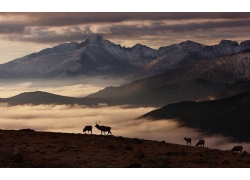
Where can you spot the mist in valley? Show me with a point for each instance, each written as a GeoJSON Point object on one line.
{"type": "Point", "coordinates": [122, 119]}
{"type": "Point", "coordinates": [79, 87]}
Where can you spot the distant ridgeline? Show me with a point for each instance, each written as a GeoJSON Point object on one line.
{"type": "Point", "coordinates": [207, 79]}
{"type": "Point", "coordinates": [227, 116]}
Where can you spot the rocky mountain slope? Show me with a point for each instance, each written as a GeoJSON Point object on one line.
{"type": "Point", "coordinates": [31, 149]}
{"type": "Point", "coordinates": [204, 80]}
{"type": "Point", "coordinates": [99, 57]}
{"type": "Point", "coordinates": [207, 79]}
{"type": "Point", "coordinates": [179, 55]}
{"type": "Point", "coordinates": [95, 56]}
{"type": "Point", "coordinates": [226, 116]}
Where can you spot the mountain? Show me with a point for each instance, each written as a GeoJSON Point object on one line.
{"type": "Point", "coordinates": [179, 55]}
{"type": "Point", "coordinates": [197, 89]}
{"type": "Point", "coordinates": [203, 80]}
{"type": "Point", "coordinates": [93, 57]}
{"type": "Point", "coordinates": [226, 116]}
{"type": "Point", "coordinates": [39, 97]}
{"type": "Point", "coordinates": [99, 57]}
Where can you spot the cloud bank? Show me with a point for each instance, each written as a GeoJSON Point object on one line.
{"type": "Point", "coordinates": [57, 28]}
{"type": "Point", "coordinates": [81, 88]}
{"type": "Point", "coordinates": [78, 90]}
{"type": "Point", "coordinates": [72, 119]}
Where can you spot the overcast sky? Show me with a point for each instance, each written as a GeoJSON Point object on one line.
{"type": "Point", "coordinates": [25, 33]}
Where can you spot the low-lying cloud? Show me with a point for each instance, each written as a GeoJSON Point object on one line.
{"type": "Point", "coordinates": [71, 90]}
{"type": "Point", "coordinates": [80, 87]}
{"type": "Point", "coordinates": [122, 119]}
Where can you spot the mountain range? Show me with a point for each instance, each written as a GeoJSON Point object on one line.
{"type": "Point", "coordinates": [179, 55]}
{"type": "Point", "coordinates": [193, 76]}
{"type": "Point", "coordinates": [99, 57]}
{"type": "Point", "coordinates": [203, 80]}
{"type": "Point", "coordinates": [93, 57]}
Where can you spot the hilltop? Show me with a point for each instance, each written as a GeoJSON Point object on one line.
{"type": "Point", "coordinates": [29, 149]}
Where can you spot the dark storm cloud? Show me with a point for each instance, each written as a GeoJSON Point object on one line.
{"type": "Point", "coordinates": [11, 28]}
{"type": "Point", "coordinates": [75, 33]}
{"type": "Point", "coordinates": [57, 28]}
{"type": "Point", "coordinates": [76, 18]}
{"type": "Point", "coordinates": [160, 26]}
{"type": "Point", "coordinates": [56, 38]}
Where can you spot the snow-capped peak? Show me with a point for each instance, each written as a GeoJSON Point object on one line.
{"type": "Point", "coordinates": [94, 39]}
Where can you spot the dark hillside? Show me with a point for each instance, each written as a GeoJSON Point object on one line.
{"type": "Point", "coordinates": [229, 116]}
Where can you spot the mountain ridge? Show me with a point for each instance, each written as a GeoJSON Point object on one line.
{"type": "Point", "coordinates": [100, 57]}
{"type": "Point", "coordinates": [95, 56]}
{"type": "Point", "coordinates": [179, 55]}
{"type": "Point", "coordinates": [226, 116]}
{"type": "Point", "coordinates": [222, 75]}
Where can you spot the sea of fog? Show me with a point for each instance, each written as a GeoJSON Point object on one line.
{"type": "Point", "coordinates": [72, 119]}
{"type": "Point", "coordinates": [122, 119]}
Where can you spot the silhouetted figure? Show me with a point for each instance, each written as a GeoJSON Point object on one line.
{"type": "Point", "coordinates": [87, 128]}
{"type": "Point", "coordinates": [237, 149]}
{"type": "Point", "coordinates": [200, 143]}
{"type": "Point", "coordinates": [103, 128]}
{"type": "Point", "coordinates": [188, 140]}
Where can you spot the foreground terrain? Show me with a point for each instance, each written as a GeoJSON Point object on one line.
{"type": "Point", "coordinates": [28, 148]}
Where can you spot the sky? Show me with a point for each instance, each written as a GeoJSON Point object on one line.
{"type": "Point", "coordinates": [27, 31]}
